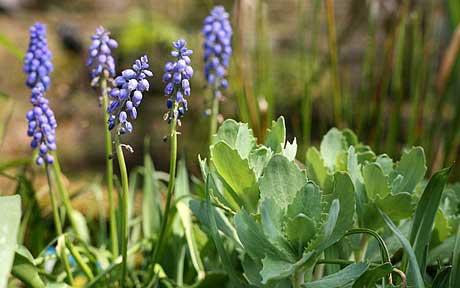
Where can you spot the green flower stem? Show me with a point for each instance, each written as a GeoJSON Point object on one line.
{"type": "Point", "coordinates": [78, 259]}
{"type": "Point", "coordinates": [109, 170]}
{"type": "Point", "coordinates": [213, 117]}
{"type": "Point", "coordinates": [124, 208]}
{"type": "Point", "coordinates": [58, 226]}
{"type": "Point", "coordinates": [298, 278]}
{"type": "Point", "coordinates": [64, 194]}
{"type": "Point", "coordinates": [383, 247]}
{"type": "Point", "coordinates": [172, 178]}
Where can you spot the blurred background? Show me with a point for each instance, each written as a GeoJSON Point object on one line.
{"type": "Point", "coordinates": [388, 69]}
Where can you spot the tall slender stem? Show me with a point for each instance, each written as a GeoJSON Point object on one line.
{"type": "Point", "coordinates": [64, 194]}
{"type": "Point", "coordinates": [109, 170]}
{"type": "Point", "coordinates": [89, 274]}
{"type": "Point", "coordinates": [332, 39]}
{"type": "Point", "coordinates": [172, 178]}
{"type": "Point", "coordinates": [124, 209]}
{"type": "Point", "coordinates": [213, 116]}
{"type": "Point", "coordinates": [298, 278]}
{"type": "Point", "coordinates": [58, 226]}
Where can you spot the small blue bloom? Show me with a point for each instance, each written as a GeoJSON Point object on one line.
{"type": "Point", "coordinates": [177, 78]}
{"type": "Point", "coordinates": [127, 95]}
{"type": "Point", "coordinates": [37, 61]}
{"type": "Point", "coordinates": [42, 126]}
{"type": "Point", "coordinates": [100, 57]}
{"type": "Point", "coordinates": [217, 32]}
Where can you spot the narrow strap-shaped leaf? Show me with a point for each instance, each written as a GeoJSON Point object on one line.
{"type": "Point", "coordinates": [236, 281]}
{"type": "Point", "coordinates": [425, 215]}
{"type": "Point", "coordinates": [182, 189]}
{"type": "Point", "coordinates": [454, 280]}
{"type": "Point", "coordinates": [414, 267]}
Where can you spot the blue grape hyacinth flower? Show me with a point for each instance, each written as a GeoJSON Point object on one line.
{"type": "Point", "coordinates": [42, 126]}
{"type": "Point", "coordinates": [127, 95]}
{"type": "Point", "coordinates": [100, 57]}
{"type": "Point", "coordinates": [177, 78]}
{"type": "Point", "coordinates": [217, 32]}
{"type": "Point", "coordinates": [37, 61]}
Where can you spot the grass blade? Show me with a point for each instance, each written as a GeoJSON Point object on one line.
{"type": "Point", "coordinates": [414, 267]}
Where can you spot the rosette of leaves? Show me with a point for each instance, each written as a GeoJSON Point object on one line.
{"type": "Point", "coordinates": [379, 182]}
{"type": "Point", "coordinates": [281, 219]}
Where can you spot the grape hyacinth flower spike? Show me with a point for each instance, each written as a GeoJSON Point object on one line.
{"type": "Point", "coordinates": [100, 57]}
{"type": "Point", "coordinates": [37, 61]}
{"type": "Point", "coordinates": [217, 32]}
{"type": "Point", "coordinates": [177, 78]}
{"type": "Point", "coordinates": [42, 127]}
{"type": "Point", "coordinates": [127, 95]}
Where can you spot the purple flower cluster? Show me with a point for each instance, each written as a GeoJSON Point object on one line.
{"type": "Point", "coordinates": [37, 61]}
{"type": "Point", "coordinates": [127, 95]}
{"type": "Point", "coordinates": [217, 46]}
{"type": "Point", "coordinates": [42, 126]}
{"type": "Point", "coordinates": [100, 57]}
{"type": "Point", "coordinates": [177, 76]}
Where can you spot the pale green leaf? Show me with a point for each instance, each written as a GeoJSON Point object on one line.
{"type": "Point", "coordinates": [412, 167]}
{"type": "Point", "coordinates": [344, 277]}
{"type": "Point", "coordinates": [316, 169]}
{"type": "Point", "coordinates": [9, 226]}
{"type": "Point", "coordinates": [276, 136]}
{"type": "Point", "coordinates": [237, 135]}
{"type": "Point", "coordinates": [281, 180]}
{"type": "Point", "coordinates": [332, 145]}
{"type": "Point", "coordinates": [375, 181]}
{"type": "Point", "coordinates": [258, 159]}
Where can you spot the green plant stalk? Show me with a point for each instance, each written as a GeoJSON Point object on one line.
{"type": "Point", "coordinates": [298, 278]}
{"type": "Point", "coordinates": [213, 116]}
{"type": "Point", "coordinates": [109, 170]}
{"type": "Point", "coordinates": [58, 226]}
{"type": "Point", "coordinates": [383, 247]}
{"type": "Point", "coordinates": [79, 260]}
{"type": "Point", "coordinates": [64, 194]}
{"type": "Point", "coordinates": [124, 209]}
{"type": "Point", "coordinates": [172, 179]}
{"type": "Point", "coordinates": [332, 40]}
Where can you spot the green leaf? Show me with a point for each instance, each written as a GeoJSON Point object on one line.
{"type": "Point", "coordinates": [332, 145]}
{"type": "Point", "coordinates": [375, 181]}
{"type": "Point", "coordinates": [373, 275]}
{"type": "Point", "coordinates": [276, 136]}
{"type": "Point", "coordinates": [425, 214]}
{"type": "Point", "coordinates": [151, 207]}
{"type": "Point", "coordinates": [344, 277]}
{"type": "Point", "coordinates": [9, 223]}
{"type": "Point", "coordinates": [275, 269]}
{"type": "Point", "coordinates": [258, 159]}
{"type": "Point", "coordinates": [25, 270]}
{"type": "Point", "coordinates": [344, 191]}
{"type": "Point", "coordinates": [236, 173]}
{"type": "Point", "coordinates": [224, 257]}
{"type": "Point", "coordinates": [81, 225]}
{"type": "Point", "coordinates": [272, 225]}
{"type": "Point", "coordinates": [414, 267]}
{"type": "Point", "coordinates": [300, 230]}
{"type": "Point", "coordinates": [281, 180]}
{"type": "Point", "coordinates": [386, 163]}
{"type": "Point", "coordinates": [307, 201]}
{"type": "Point", "coordinates": [237, 135]}
{"type": "Point", "coordinates": [316, 169]}
{"type": "Point", "coordinates": [412, 167]}
{"type": "Point", "coordinates": [253, 238]}
{"type": "Point", "coordinates": [199, 209]}
{"type": "Point", "coordinates": [397, 206]}
{"type": "Point", "coordinates": [182, 188]}
{"type": "Point", "coordinates": [454, 280]}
